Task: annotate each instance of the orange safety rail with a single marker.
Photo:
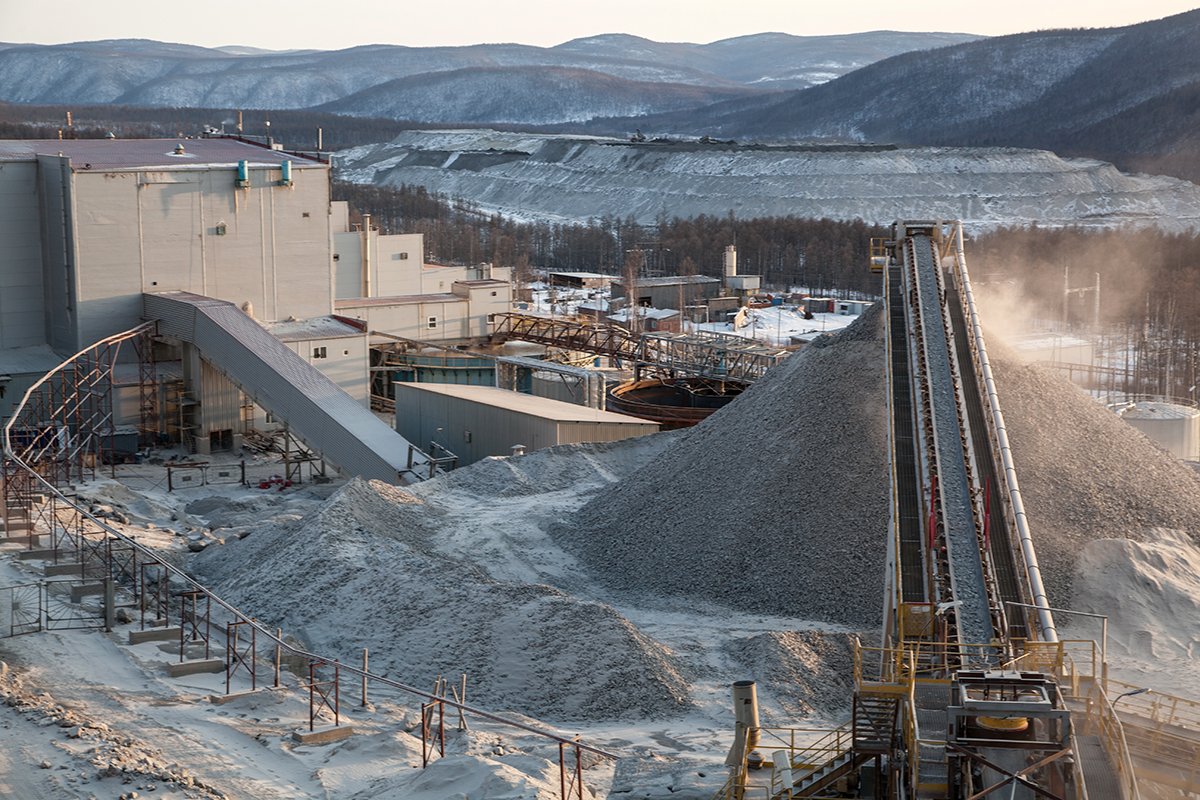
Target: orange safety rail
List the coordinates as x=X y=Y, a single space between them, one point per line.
x=1103 y=718
x=1158 y=708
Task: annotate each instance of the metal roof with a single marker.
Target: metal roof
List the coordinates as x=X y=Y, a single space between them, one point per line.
x=401 y=300
x=541 y=407
x=36 y=360
x=117 y=154
x=670 y=280
x=302 y=330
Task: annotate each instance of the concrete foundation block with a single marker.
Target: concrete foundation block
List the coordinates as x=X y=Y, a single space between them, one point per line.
x=86 y=590
x=196 y=667
x=35 y=555
x=323 y=735
x=154 y=635
x=62 y=569
x=222 y=699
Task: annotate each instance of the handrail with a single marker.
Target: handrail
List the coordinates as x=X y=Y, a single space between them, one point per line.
x=912 y=738
x=1112 y=735
x=1159 y=708
x=262 y=630
x=1033 y=571
x=116 y=338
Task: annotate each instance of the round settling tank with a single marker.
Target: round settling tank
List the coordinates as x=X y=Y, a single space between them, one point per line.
x=1174 y=427
x=673 y=402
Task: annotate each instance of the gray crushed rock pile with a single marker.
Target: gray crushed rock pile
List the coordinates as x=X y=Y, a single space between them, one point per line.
x=804 y=671
x=1085 y=474
x=566 y=466
x=365 y=571
x=776 y=504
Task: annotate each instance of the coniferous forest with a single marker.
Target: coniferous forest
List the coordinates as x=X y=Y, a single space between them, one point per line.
x=822 y=254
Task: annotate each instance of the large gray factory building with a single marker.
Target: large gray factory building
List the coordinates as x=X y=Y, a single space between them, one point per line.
x=93 y=231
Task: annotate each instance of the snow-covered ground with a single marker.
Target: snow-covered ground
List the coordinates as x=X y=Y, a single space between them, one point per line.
x=490 y=570
x=781 y=325
x=778 y=325
x=106 y=719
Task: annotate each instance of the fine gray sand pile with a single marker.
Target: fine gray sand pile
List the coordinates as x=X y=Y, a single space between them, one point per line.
x=365 y=571
x=1085 y=474
x=776 y=504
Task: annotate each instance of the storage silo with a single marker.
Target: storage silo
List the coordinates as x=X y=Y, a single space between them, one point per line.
x=1174 y=427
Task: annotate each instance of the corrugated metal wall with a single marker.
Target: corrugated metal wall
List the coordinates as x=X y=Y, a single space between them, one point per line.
x=474 y=431
x=22 y=307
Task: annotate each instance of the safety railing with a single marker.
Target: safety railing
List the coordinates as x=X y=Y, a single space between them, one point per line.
x=1102 y=717
x=910 y=732
x=122 y=559
x=1157 y=708
x=805 y=750
x=1075 y=662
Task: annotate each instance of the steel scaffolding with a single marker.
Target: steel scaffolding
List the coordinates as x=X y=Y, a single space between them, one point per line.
x=724 y=357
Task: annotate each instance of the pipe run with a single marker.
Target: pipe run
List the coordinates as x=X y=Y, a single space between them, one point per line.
x=1040 y=600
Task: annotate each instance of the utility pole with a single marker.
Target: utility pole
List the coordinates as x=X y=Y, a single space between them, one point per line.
x=1082 y=290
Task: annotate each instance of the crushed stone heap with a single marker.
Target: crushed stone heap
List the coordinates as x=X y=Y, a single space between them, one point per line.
x=365 y=571
x=1086 y=474
x=776 y=504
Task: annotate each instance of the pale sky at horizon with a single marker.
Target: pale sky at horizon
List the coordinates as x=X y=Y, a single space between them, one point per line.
x=326 y=26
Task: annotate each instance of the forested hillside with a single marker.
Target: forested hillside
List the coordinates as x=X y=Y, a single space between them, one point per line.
x=787 y=251
x=1127 y=95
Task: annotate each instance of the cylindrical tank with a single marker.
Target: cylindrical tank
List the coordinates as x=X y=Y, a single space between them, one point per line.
x=730 y=261
x=746 y=732
x=1174 y=427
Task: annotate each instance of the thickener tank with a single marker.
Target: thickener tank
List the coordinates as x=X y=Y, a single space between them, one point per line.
x=1174 y=427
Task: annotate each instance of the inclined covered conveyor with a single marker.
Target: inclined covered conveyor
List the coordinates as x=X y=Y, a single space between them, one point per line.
x=317 y=411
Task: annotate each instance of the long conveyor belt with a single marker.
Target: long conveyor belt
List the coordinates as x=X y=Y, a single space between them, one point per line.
x=1000 y=550
x=953 y=499
x=907 y=495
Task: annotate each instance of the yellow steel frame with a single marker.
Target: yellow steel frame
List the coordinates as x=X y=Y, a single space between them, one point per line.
x=879 y=254
x=807 y=748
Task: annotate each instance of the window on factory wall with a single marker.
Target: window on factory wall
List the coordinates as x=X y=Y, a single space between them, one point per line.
x=402 y=256
x=320 y=352
x=432 y=323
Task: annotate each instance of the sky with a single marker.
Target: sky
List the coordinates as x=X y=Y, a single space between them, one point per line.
x=332 y=26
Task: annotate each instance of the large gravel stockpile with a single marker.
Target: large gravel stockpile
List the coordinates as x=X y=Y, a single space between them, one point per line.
x=366 y=571
x=776 y=504
x=1085 y=474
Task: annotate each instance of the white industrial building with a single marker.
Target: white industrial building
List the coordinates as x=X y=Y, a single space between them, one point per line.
x=91 y=228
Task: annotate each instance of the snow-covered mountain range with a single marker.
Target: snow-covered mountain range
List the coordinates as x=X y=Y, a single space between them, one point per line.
x=617 y=73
